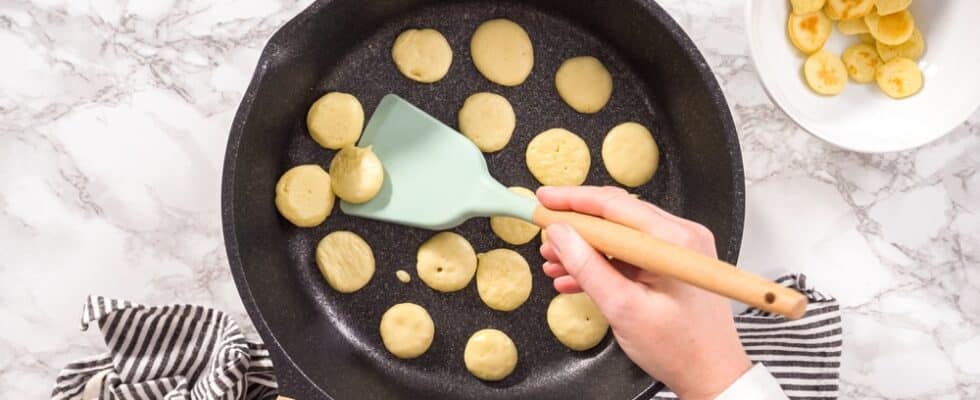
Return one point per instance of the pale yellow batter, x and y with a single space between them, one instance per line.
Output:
488 120
584 83
630 154
407 330
403 276
345 260
422 55
557 157
503 279
502 52
490 355
357 174
446 262
335 120
303 195
576 321
514 230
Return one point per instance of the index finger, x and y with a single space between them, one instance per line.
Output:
617 205
608 202
592 200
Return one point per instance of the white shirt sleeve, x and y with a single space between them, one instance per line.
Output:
755 384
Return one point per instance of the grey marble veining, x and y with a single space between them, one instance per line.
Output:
114 117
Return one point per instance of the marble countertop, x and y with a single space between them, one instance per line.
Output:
114 117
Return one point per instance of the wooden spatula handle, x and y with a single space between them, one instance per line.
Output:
652 254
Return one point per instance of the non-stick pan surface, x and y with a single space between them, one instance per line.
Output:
326 343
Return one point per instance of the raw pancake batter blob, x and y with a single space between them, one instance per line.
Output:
630 154
403 276
488 120
502 52
576 321
303 195
345 260
446 262
490 355
407 330
503 279
357 174
422 55
557 157
513 230
335 120
584 83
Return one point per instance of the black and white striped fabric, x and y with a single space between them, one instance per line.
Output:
189 352
172 352
803 355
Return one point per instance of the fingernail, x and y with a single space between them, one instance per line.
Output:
557 233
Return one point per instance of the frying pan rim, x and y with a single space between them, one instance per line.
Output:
266 57
229 227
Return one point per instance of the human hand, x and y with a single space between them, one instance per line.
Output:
678 333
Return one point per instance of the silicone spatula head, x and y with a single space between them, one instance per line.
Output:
435 178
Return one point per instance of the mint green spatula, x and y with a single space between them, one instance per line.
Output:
435 178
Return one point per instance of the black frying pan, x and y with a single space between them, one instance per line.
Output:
326 344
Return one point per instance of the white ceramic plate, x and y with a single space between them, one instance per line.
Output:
862 118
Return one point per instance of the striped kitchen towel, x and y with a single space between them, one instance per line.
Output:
804 354
170 352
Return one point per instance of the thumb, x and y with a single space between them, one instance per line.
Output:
595 275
